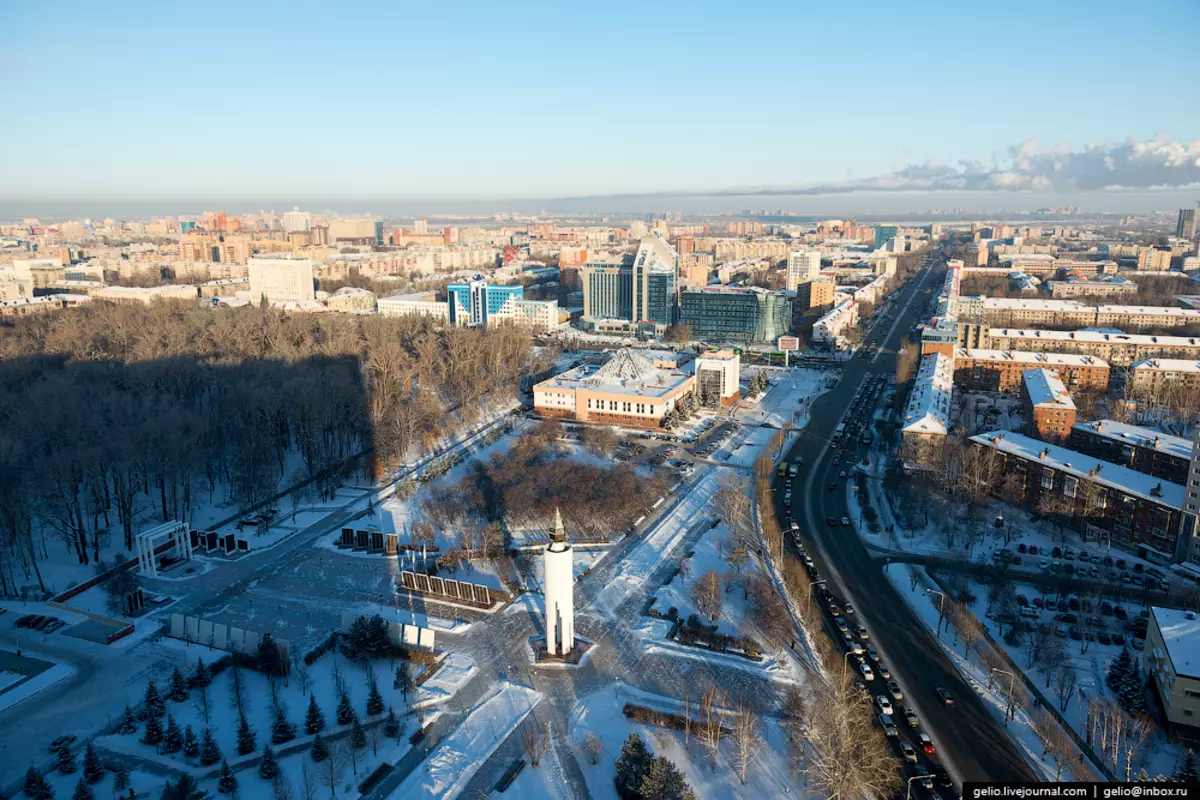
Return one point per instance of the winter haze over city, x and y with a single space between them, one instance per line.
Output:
620 401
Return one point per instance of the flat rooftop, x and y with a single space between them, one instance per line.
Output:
1139 436
1029 357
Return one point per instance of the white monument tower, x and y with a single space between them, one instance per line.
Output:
560 591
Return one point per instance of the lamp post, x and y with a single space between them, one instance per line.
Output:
908 795
1008 709
941 607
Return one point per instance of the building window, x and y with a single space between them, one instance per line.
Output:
1070 485
1048 479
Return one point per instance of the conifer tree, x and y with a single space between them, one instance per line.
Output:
247 743
319 751
268 767
1187 772
153 701
172 738
209 752
201 678
178 689
83 791
34 781
66 759
128 723
374 698
633 765
282 730
358 737
93 770
345 711
314 718
1118 671
154 732
227 782
121 780
391 728
191 745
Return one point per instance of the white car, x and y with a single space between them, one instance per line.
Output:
846 521
866 671
885 705
895 690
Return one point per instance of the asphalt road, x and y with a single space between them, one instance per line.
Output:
971 742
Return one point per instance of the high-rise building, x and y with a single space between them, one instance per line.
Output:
655 282
472 303
607 289
1186 228
281 280
420 226
1154 259
296 220
884 234
728 314
803 265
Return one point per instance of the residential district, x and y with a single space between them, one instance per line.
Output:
297 505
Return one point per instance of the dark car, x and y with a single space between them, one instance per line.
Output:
60 741
941 777
1119 611
830 521
945 697
27 620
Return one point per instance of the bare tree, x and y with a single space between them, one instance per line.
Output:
747 739
308 784
333 766
706 594
846 756
711 722
1054 740
592 746
1064 679
535 738
281 789
374 734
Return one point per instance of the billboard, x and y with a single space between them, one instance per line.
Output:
789 343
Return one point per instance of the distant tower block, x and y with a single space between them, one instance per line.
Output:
560 591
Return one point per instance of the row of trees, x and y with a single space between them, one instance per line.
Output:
109 412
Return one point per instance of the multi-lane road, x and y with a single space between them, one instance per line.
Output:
970 741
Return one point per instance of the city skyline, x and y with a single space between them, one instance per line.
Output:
575 110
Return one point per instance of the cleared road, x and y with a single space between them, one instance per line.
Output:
973 743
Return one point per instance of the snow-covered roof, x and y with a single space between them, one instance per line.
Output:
1138 436
1105 473
1096 336
1045 389
1181 636
928 409
1029 357
627 371
1167 365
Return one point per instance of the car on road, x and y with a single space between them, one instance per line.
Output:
55 624
862 632
923 778
849 608
910 717
846 522
885 705
895 690
865 669
889 727
908 752
832 486
841 625
926 743
831 521
58 743
941 777
945 697
881 668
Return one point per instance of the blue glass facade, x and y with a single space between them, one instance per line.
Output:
473 303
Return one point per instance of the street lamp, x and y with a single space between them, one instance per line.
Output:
941 607
1008 709
908 796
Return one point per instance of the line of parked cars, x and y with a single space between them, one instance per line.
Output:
39 622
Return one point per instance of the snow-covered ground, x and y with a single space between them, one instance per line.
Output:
769 774
450 767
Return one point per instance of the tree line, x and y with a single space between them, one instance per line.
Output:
107 412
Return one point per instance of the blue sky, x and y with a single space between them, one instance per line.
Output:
536 100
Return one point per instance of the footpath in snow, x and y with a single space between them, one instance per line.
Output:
460 755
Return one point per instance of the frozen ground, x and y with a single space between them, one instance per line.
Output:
769 774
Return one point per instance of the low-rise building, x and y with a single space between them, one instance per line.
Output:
1143 449
351 298
628 389
1172 660
1112 285
1049 409
1136 511
424 303
831 328
927 413
1002 370
1119 349
145 294
1150 378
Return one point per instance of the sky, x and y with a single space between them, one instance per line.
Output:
596 105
